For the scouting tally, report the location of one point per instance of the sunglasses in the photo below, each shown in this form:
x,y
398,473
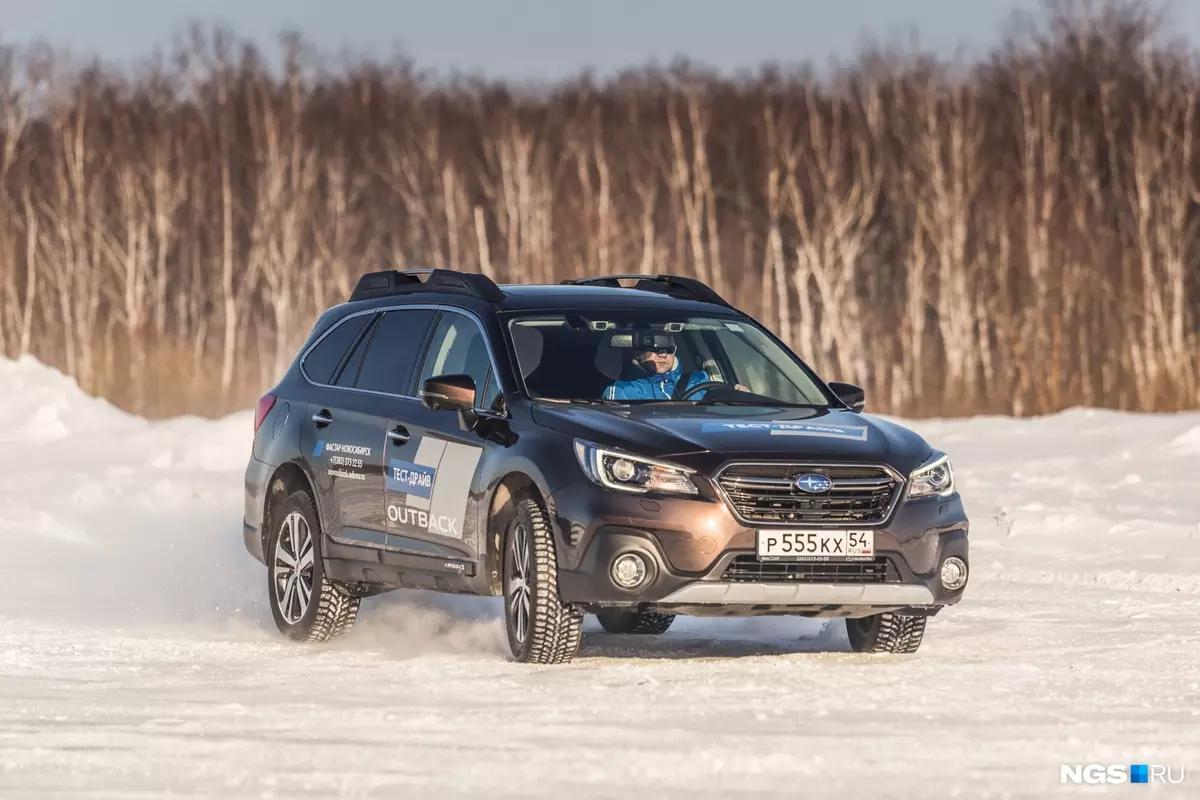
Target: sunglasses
x,y
668,350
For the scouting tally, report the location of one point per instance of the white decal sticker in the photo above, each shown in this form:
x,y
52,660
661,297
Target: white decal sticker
x,y
430,492
853,432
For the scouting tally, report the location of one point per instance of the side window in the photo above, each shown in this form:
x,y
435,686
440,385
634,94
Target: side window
x,y
354,362
392,354
490,393
323,360
458,347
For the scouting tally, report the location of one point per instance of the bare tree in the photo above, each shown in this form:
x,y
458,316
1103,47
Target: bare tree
x,y
833,188
1015,236
780,136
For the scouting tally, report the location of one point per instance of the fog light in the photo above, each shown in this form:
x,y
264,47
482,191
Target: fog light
x,y
628,570
954,573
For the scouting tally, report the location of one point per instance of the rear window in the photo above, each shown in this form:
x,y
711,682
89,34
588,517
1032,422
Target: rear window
x,y
349,374
392,355
322,361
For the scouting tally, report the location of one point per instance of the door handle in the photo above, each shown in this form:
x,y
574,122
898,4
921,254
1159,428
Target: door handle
x,y
398,434
322,418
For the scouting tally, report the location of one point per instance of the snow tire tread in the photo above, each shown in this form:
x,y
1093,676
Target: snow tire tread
x,y
893,633
337,612
556,628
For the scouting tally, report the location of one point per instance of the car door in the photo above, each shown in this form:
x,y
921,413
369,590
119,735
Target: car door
x,y
345,459
347,428
432,482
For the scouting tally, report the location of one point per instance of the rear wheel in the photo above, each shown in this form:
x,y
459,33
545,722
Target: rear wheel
x,y
307,606
886,633
541,628
644,622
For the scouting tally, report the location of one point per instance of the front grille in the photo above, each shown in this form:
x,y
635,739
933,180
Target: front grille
x,y
767,493
747,569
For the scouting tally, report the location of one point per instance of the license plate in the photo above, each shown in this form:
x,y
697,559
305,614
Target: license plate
x,y
830,545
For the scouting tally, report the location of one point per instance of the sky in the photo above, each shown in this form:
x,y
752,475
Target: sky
x,y
536,39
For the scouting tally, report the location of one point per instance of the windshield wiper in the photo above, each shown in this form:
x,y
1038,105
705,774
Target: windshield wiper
x,y
773,403
579,401
604,401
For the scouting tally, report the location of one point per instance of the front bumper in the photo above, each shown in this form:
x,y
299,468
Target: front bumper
x,y
799,594
690,544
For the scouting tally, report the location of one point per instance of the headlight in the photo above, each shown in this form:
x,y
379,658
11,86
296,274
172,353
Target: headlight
x,y
934,478
630,473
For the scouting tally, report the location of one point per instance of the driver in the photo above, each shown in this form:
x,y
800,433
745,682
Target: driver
x,y
654,353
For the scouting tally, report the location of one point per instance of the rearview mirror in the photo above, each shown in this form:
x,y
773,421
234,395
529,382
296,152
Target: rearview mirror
x,y
641,340
850,394
449,393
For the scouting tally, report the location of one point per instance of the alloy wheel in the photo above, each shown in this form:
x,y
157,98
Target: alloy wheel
x,y
520,594
294,567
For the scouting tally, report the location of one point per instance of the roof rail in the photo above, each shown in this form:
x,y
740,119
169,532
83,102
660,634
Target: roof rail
x,y
393,281
673,285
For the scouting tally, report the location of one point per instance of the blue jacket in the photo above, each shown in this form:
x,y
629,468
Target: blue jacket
x,y
660,386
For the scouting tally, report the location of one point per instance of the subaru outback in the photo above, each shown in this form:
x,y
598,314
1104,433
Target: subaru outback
x,y
635,452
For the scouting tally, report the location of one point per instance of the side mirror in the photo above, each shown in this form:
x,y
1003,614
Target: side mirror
x,y
850,394
449,393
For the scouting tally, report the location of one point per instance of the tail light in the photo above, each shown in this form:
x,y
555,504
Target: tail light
x,y
265,404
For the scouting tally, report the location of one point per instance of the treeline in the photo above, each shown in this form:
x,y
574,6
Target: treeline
x,y
1013,235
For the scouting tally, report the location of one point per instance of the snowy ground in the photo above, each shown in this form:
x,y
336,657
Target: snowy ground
x,y
138,659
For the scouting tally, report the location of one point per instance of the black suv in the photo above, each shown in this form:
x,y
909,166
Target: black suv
x,y
634,452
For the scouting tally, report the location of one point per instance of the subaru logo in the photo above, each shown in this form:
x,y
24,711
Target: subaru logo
x,y
813,483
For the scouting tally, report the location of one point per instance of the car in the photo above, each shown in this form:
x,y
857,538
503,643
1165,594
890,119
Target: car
x,y
632,447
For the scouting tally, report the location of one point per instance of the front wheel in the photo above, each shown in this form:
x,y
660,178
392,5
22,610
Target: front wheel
x,y
886,633
541,628
306,605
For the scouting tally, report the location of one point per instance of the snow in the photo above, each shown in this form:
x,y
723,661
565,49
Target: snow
x,y
138,658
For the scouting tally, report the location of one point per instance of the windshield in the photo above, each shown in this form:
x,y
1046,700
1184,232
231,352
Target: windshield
x,y
656,356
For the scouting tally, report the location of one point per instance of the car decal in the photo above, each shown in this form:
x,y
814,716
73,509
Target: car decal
x,y
430,493
343,460
412,479
852,432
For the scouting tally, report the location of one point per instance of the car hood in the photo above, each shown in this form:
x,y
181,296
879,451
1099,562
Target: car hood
x,y
705,436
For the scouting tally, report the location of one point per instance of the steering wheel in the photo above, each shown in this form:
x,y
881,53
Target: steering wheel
x,y
700,387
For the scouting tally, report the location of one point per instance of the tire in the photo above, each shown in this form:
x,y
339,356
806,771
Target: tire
x,y
886,633
639,622
541,628
329,610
